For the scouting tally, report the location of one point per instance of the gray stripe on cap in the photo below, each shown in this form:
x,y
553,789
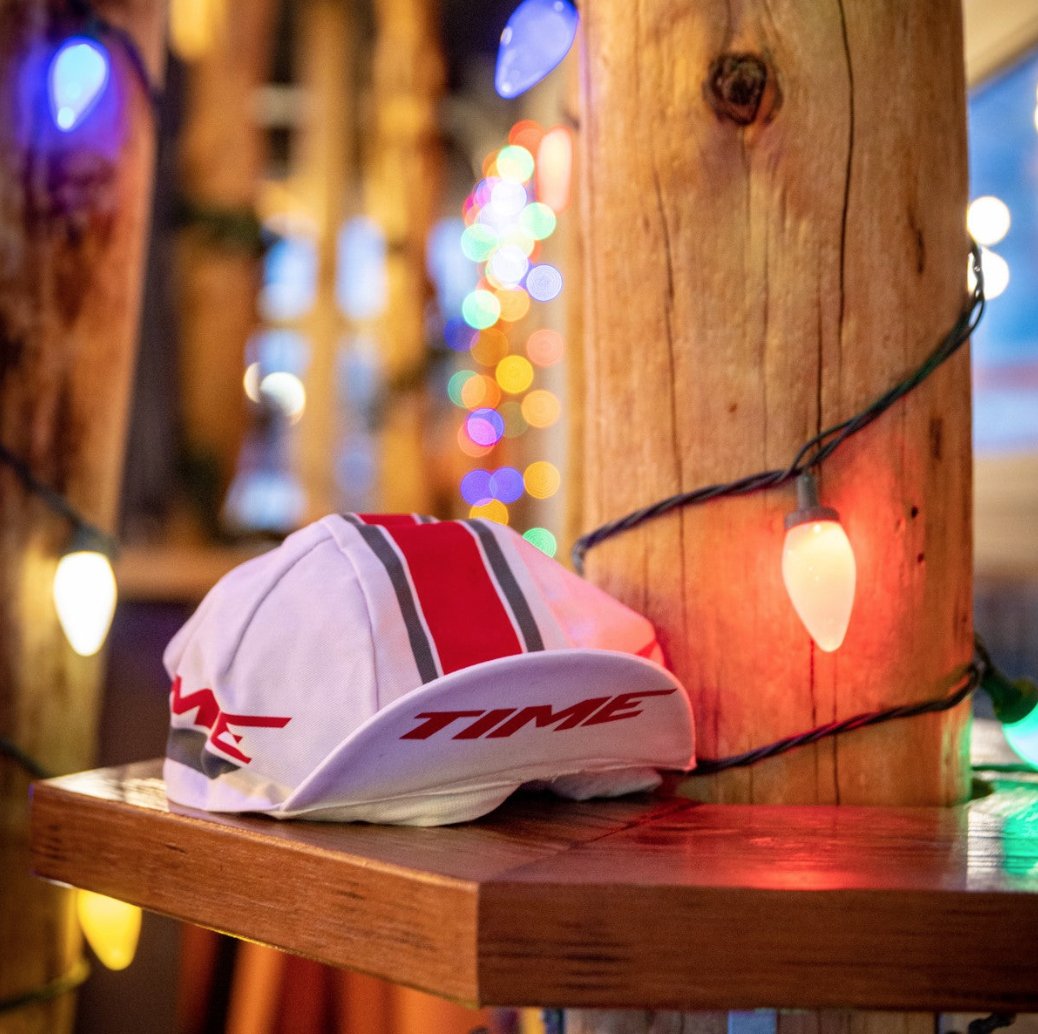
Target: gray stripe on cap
x,y
509,586
187,746
375,536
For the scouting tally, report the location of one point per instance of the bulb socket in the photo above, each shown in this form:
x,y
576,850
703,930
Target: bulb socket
x,y
808,506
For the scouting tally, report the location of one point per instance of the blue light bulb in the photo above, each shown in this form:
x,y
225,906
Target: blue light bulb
x,y
76,79
537,37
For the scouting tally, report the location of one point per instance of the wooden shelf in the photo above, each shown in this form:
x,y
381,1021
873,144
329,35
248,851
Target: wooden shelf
x,y
177,573
647,902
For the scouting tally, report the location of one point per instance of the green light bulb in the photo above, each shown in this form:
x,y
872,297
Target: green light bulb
x,y
1022,736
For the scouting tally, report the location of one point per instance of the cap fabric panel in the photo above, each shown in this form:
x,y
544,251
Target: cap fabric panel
x,y
591,617
393,661
552,635
299,683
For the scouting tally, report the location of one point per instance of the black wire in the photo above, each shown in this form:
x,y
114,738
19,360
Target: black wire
x,y
56,502
97,25
24,760
978,667
814,451
48,992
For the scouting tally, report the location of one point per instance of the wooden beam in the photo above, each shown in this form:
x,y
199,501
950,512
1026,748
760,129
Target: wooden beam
x,y
402,195
640,902
774,237
325,175
754,275
73,211
222,154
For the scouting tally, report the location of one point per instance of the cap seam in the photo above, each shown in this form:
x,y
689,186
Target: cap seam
x,y
247,624
371,625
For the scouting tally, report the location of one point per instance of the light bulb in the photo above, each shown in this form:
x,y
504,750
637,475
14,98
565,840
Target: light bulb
x,y
1015,703
818,567
112,928
537,37
84,596
76,80
1022,736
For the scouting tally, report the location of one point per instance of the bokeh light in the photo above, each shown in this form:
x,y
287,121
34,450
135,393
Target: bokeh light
x,y
515,163
469,447
542,479
285,390
456,384
526,133
513,305
515,422
485,426
545,347
541,408
987,219
555,168
475,487
507,198
480,391
251,381
493,511
458,335
478,242
508,265
481,309
490,347
543,539
544,282
538,220
515,374
506,485
515,236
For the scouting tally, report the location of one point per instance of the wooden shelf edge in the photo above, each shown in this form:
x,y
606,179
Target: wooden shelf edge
x,y
636,903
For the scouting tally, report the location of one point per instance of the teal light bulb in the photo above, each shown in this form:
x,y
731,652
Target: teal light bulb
x,y
1022,736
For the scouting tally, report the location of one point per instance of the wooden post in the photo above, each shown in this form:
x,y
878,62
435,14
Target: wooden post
x,y
773,200
221,161
73,212
328,65
402,194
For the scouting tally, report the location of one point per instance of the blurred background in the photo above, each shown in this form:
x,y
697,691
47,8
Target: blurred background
x,y
363,293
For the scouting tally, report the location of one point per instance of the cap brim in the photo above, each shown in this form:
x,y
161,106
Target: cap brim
x,y
453,749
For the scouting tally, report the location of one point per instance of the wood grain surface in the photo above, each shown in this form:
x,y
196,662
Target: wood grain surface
x,y
764,255
644,902
73,230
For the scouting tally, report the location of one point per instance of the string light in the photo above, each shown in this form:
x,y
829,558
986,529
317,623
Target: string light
x,y
85,594
536,38
818,567
803,556
77,78
1016,706
112,928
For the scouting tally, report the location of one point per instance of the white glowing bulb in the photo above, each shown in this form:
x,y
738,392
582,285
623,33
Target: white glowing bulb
x,y
818,568
112,928
988,219
84,596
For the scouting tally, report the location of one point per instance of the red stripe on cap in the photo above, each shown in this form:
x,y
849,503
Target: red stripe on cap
x,y
465,614
390,520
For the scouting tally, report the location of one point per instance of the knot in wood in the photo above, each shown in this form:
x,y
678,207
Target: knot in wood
x,y
740,88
